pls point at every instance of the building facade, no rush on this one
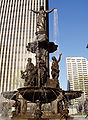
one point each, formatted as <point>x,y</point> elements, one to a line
<point>18,27</point>
<point>77,76</point>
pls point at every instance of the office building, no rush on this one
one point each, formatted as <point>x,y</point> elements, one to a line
<point>77,76</point>
<point>18,27</point>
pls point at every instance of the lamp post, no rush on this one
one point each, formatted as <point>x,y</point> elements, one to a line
<point>87,46</point>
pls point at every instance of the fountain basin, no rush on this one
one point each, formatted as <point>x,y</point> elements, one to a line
<point>72,94</point>
<point>44,95</point>
<point>49,46</point>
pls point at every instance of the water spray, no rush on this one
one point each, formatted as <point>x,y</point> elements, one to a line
<point>56,31</point>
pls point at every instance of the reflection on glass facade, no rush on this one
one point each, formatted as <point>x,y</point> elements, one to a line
<point>18,25</point>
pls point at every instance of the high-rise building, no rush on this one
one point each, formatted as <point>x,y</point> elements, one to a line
<point>77,75</point>
<point>18,27</point>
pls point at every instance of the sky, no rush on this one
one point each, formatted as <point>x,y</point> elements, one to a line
<point>73,31</point>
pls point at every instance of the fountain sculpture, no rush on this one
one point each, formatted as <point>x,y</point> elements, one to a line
<point>39,88</point>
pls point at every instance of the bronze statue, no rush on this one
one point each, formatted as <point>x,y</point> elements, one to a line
<point>34,77</point>
<point>27,74</point>
<point>43,72</point>
<point>38,111</point>
<point>55,67</point>
<point>41,18</point>
<point>29,66</point>
<point>17,106</point>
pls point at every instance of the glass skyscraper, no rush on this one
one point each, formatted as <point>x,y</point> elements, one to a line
<point>18,27</point>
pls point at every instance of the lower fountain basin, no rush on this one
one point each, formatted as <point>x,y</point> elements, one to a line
<point>44,95</point>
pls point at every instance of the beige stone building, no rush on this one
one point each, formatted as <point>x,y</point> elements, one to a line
<point>77,76</point>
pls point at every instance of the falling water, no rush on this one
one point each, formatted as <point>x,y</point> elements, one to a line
<point>56,31</point>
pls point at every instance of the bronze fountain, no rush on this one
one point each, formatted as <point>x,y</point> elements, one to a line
<point>39,88</point>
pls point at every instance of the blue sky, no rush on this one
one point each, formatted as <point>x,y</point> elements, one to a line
<point>73,31</point>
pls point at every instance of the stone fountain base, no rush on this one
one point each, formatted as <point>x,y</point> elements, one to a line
<point>20,118</point>
<point>28,116</point>
<point>38,119</point>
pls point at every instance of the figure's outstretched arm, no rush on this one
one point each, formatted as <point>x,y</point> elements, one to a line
<point>49,11</point>
<point>59,57</point>
<point>35,11</point>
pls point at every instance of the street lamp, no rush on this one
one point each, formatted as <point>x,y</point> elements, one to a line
<point>87,46</point>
